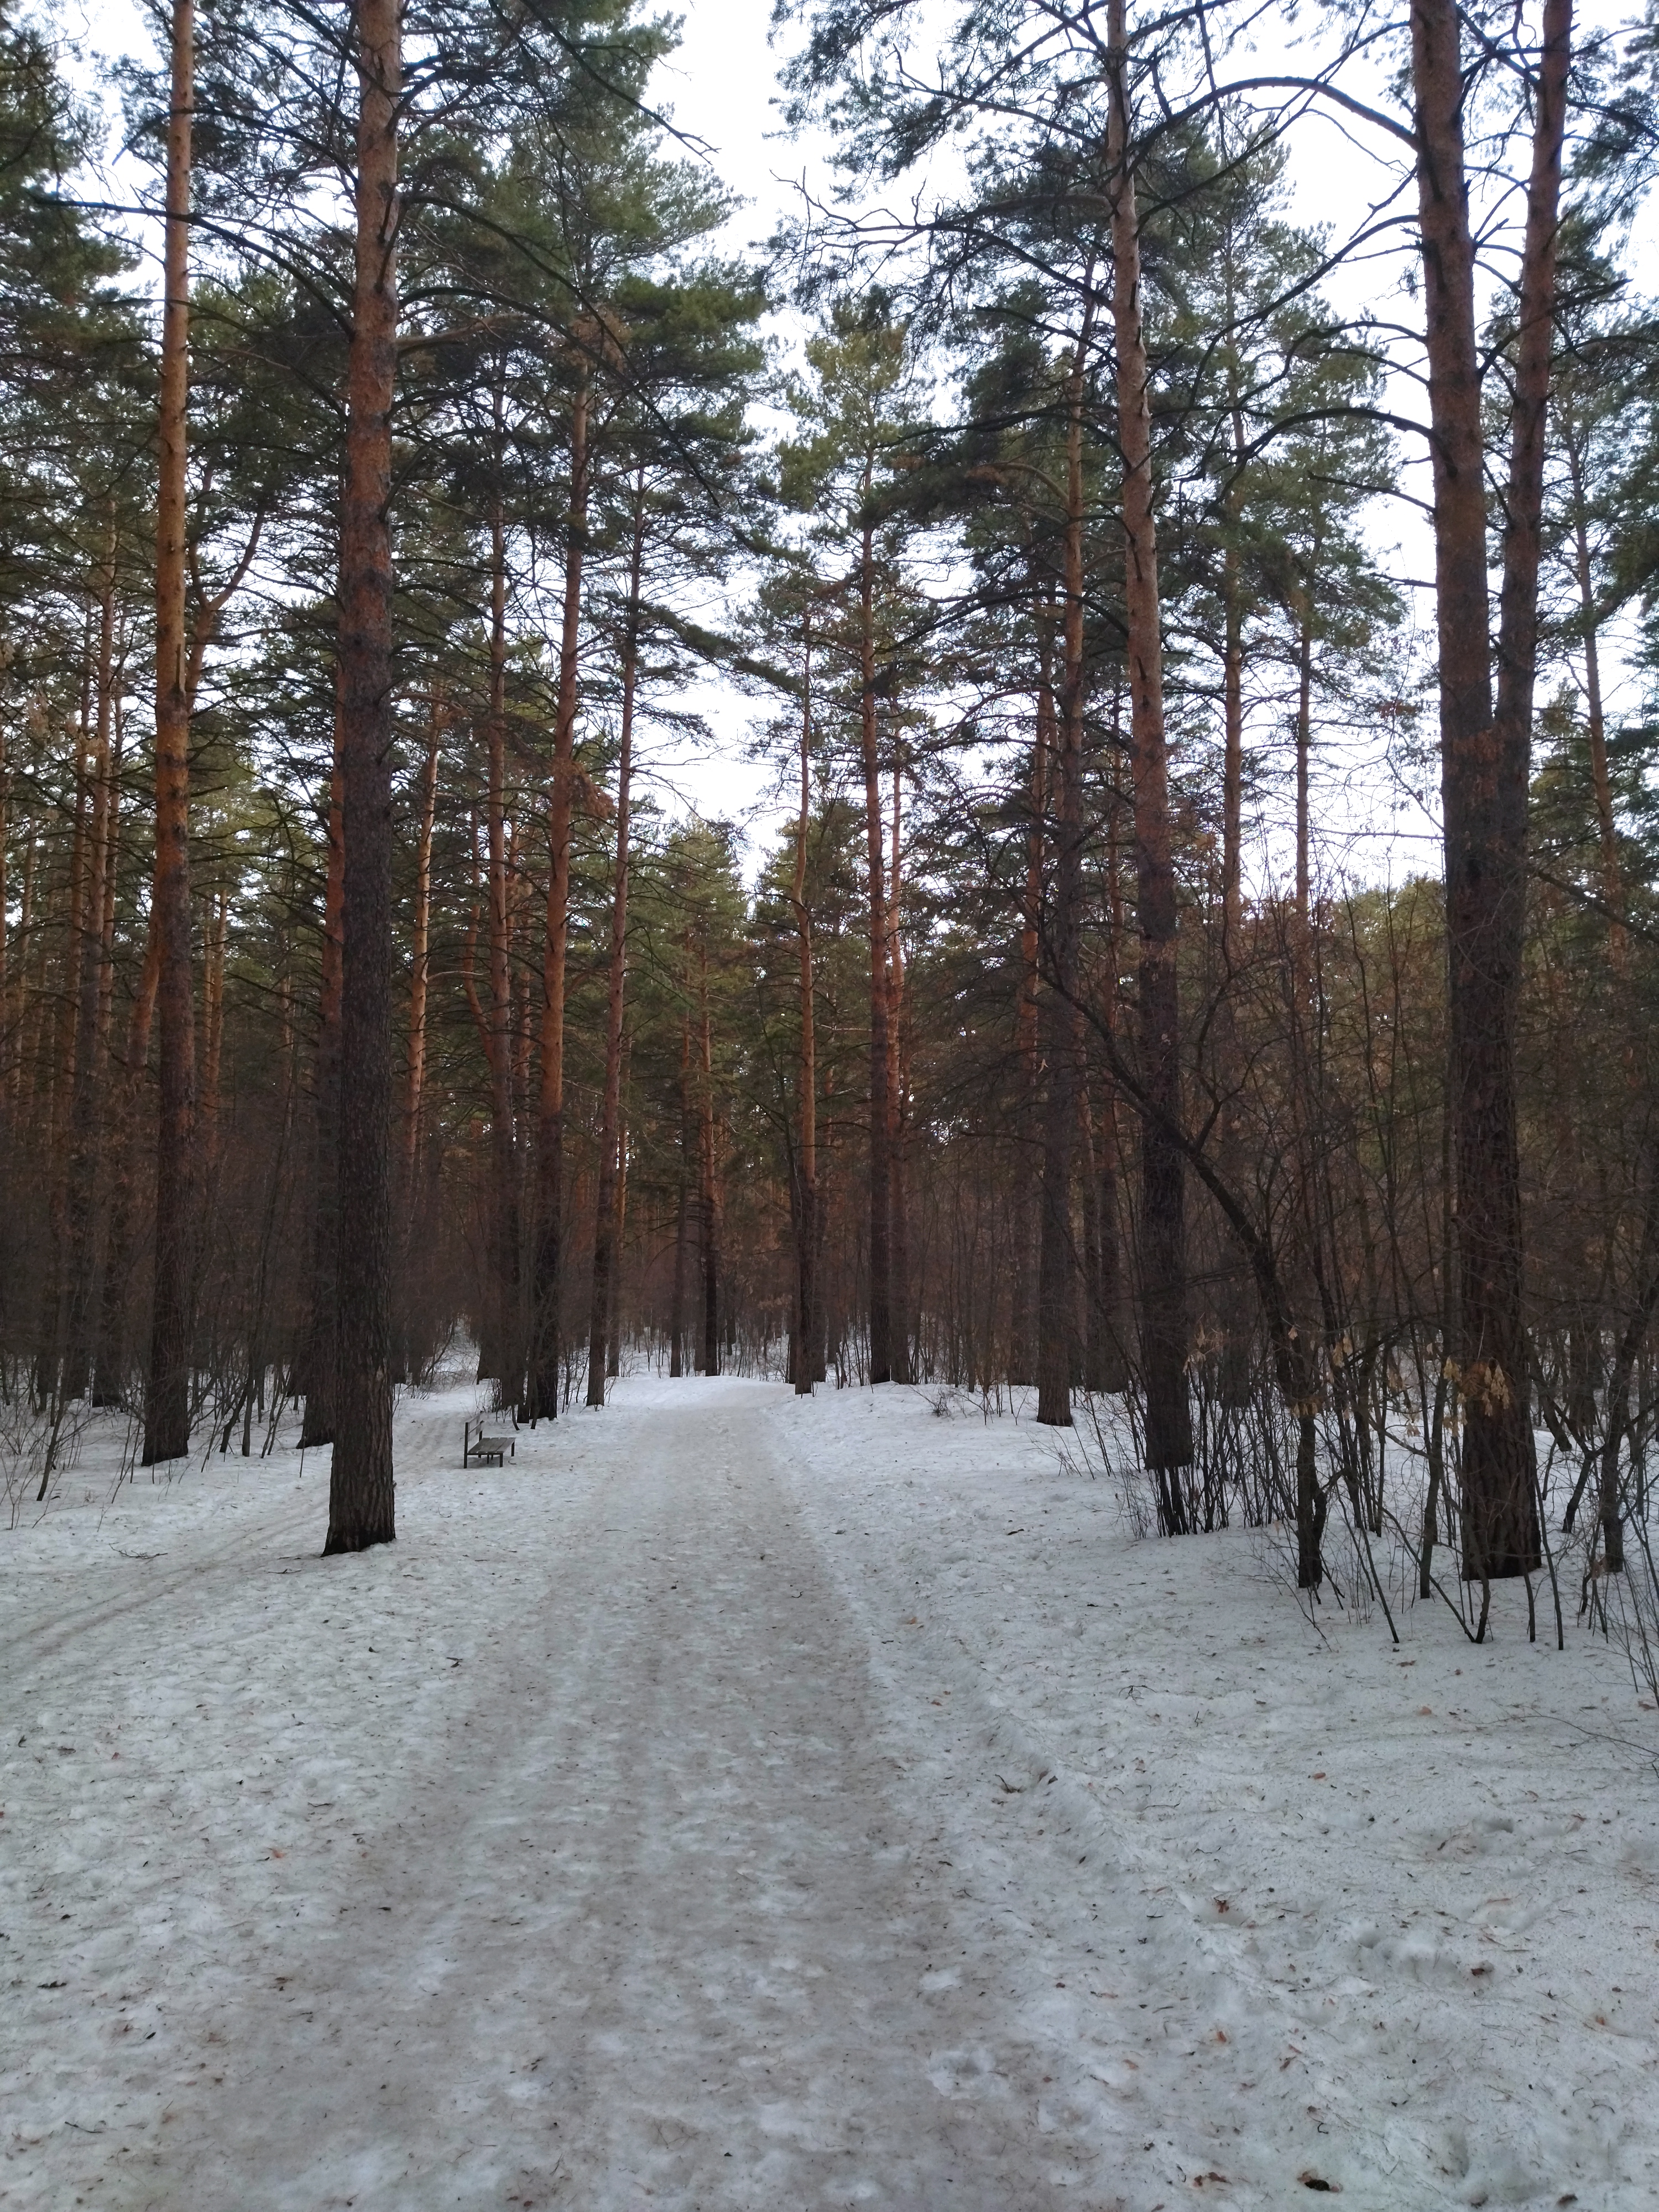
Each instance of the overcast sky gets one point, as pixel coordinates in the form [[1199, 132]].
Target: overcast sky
[[720, 87]]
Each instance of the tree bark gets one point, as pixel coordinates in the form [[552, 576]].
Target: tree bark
[[110, 1377], [90, 1055], [881, 1355], [1057, 1257], [362, 1502], [605, 1213], [317, 1359], [708, 1189], [803, 1361], [167, 1403], [682, 1218], [1022, 1299], [408, 1211], [542, 1389], [1485, 761], [502, 1358], [1162, 1228], [897, 1197], [420, 963]]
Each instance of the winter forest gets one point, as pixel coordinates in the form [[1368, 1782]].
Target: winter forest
[[1028, 775]]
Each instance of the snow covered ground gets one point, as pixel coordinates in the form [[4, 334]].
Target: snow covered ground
[[737, 1803]]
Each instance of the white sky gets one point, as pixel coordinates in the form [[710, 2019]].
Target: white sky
[[721, 87]]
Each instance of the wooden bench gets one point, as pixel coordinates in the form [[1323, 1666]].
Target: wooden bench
[[485, 1449]]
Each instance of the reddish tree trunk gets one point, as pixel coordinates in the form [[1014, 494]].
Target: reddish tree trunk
[[544, 1359], [166, 1404], [1163, 1223], [361, 1502], [604, 1215], [881, 1288], [1057, 1258], [804, 1361], [317, 1365], [898, 1198], [1484, 760]]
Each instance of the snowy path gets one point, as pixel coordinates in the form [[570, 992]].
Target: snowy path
[[740, 1804], [622, 1909]]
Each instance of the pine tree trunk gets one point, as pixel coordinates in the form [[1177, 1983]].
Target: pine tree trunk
[[1163, 1222], [615, 1320], [502, 1356], [708, 1190], [166, 1404], [1057, 1261], [1022, 1299], [897, 1196], [319, 1358], [605, 1212], [361, 1502], [542, 1391], [1484, 762], [881, 1353], [803, 1364], [682, 1233], [408, 1210], [89, 1057], [420, 963], [109, 1381]]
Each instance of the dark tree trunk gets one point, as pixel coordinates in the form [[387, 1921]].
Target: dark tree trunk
[[605, 1212], [319, 1358], [1485, 761], [1022, 1299], [362, 1504], [1163, 1212], [503, 1357], [110, 1371], [166, 1404], [682, 1213], [88, 1100], [803, 1361], [543, 1386], [1057, 1261], [708, 1190], [898, 1204], [881, 1288]]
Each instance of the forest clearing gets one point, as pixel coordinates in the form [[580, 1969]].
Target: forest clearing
[[740, 1804]]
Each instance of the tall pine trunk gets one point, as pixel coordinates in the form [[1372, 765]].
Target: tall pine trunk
[[683, 1211], [317, 1355], [542, 1391], [166, 1404], [1484, 760], [898, 1215], [502, 1356], [804, 1358], [880, 1255], [1163, 1203], [110, 1372], [1057, 1258], [1022, 1299], [707, 1182], [605, 1214], [409, 1208], [88, 1104], [362, 1504]]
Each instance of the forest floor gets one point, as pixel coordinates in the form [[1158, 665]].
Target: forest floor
[[752, 1806]]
